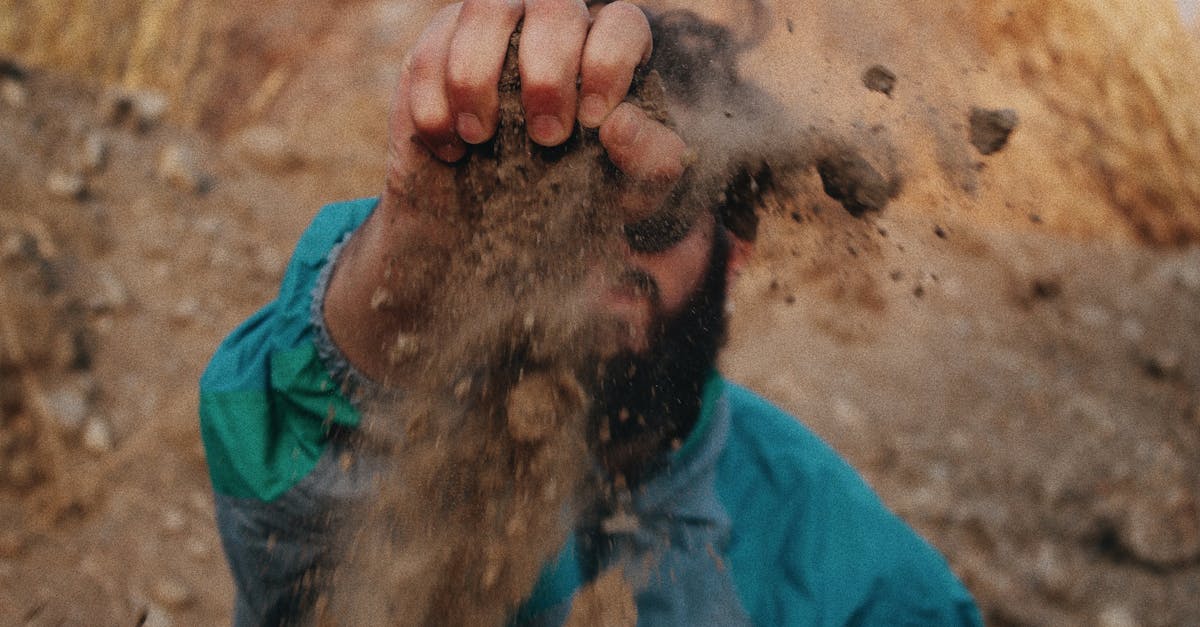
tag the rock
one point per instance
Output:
(1116, 616)
(1052, 576)
(849, 415)
(880, 79)
(172, 593)
(109, 293)
(97, 436)
(173, 520)
(145, 108)
(270, 262)
(186, 311)
(10, 70)
(848, 178)
(267, 148)
(990, 128)
(71, 401)
(179, 166)
(93, 153)
(13, 93)
(155, 616)
(197, 548)
(1166, 363)
(64, 185)
(1162, 527)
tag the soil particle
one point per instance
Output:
(144, 109)
(155, 616)
(1166, 363)
(851, 180)
(1162, 527)
(267, 148)
(1117, 616)
(10, 70)
(990, 128)
(13, 93)
(97, 436)
(65, 185)
(606, 602)
(179, 166)
(69, 404)
(172, 593)
(879, 78)
(93, 153)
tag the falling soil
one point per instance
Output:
(990, 129)
(880, 79)
(485, 456)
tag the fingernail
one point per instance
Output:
(592, 109)
(547, 130)
(471, 129)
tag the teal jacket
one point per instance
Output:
(754, 521)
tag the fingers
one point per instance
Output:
(453, 71)
(428, 104)
(650, 154)
(641, 147)
(474, 63)
(551, 47)
(618, 42)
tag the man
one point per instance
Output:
(750, 519)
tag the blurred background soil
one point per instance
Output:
(1008, 350)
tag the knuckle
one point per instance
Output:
(507, 9)
(559, 10)
(467, 81)
(625, 13)
(542, 94)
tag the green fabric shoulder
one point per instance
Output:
(812, 544)
(266, 398)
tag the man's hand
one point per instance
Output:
(447, 98)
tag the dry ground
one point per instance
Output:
(1008, 352)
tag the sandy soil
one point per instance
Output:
(1007, 350)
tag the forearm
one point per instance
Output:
(379, 289)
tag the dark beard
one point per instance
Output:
(649, 402)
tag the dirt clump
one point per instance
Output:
(850, 179)
(880, 79)
(990, 129)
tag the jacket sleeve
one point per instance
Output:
(267, 398)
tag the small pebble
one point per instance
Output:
(197, 548)
(1164, 364)
(13, 93)
(156, 617)
(146, 108)
(64, 185)
(267, 149)
(186, 311)
(93, 154)
(171, 593)
(1116, 616)
(97, 436)
(173, 520)
(179, 166)
(880, 79)
(70, 402)
(109, 293)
